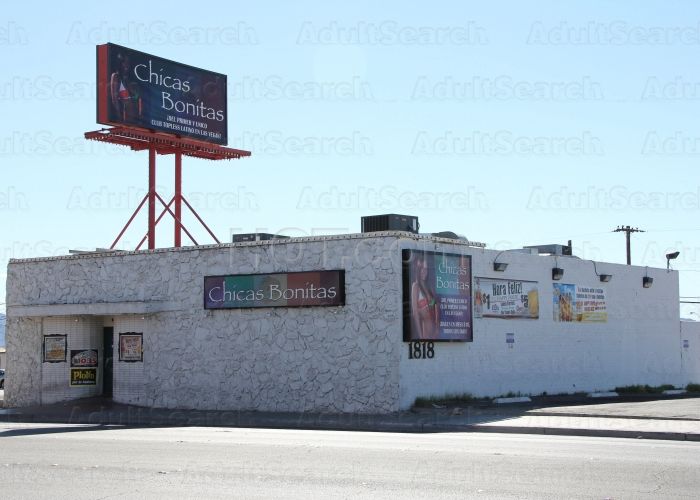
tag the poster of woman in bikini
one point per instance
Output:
(437, 296)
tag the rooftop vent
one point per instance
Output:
(243, 237)
(449, 235)
(553, 249)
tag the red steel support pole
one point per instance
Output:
(178, 199)
(151, 197)
(127, 224)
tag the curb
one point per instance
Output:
(596, 415)
(556, 431)
(398, 427)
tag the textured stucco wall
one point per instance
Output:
(336, 359)
(23, 374)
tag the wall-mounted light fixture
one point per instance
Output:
(646, 280)
(557, 273)
(603, 277)
(669, 257)
(500, 266)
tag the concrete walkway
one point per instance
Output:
(670, 418)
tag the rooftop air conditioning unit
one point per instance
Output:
(390, 222)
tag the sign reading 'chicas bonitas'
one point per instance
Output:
(313, 288)
(141, 90)
(436, 296)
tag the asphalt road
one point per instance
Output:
(61, 461)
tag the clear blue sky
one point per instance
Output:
(513, 123)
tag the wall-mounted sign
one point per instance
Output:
(55, 348)
(83, 358)
(573, 303)
(510, 339)
(312, 288)
(83, 376)
(686, 343)
(500, 298)
(131, 347)
(436, 296)
(141, 90)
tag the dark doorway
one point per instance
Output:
(107, 377)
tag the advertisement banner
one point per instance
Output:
(299, 289)
(83, 358)
(140, 90)
(131, 347)
(436, 296)
(500, 298)
(55, 348)
(573, 303)
(83, 376)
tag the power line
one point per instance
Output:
(670, 230)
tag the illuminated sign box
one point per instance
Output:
(140, 90)
(298, 289)
(437, 296)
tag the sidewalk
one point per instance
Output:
(672, 419)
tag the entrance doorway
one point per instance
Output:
(107, 374)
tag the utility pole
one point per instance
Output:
(628, 230)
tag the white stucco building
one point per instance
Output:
(177, 353)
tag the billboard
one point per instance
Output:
(300, 289)
(140, 90)
(501, 298)
(573, 303)
(436, 296)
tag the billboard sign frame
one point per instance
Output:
(136, 89)
(292, 289)
(437, 296)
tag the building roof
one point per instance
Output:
(280, 241)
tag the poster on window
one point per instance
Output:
(437, 296)
(508, 299)
(131, 347)
(582, 304)
(55, 348)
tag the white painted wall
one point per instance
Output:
(690, 355)
(129, 377)
(639, 344)
(84, 332)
